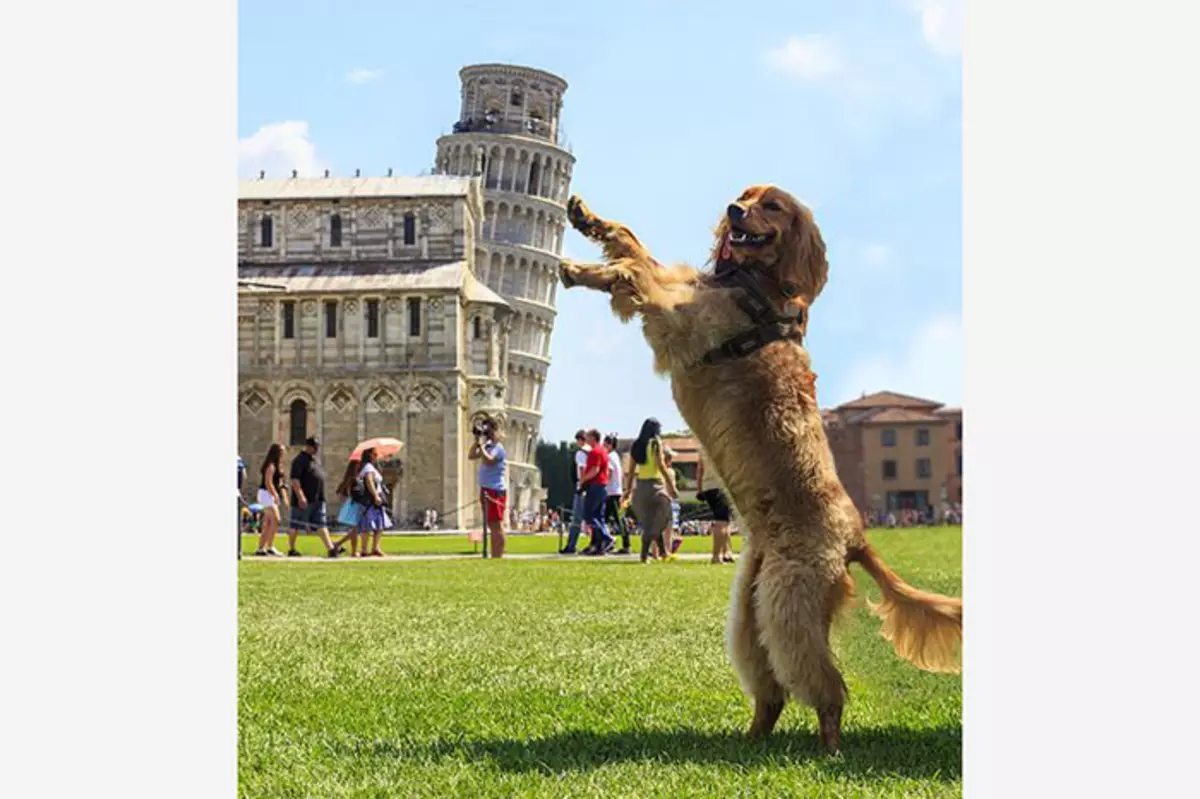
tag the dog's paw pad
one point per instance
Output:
(564, 274)
(578, 213)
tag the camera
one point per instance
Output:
(484, 428)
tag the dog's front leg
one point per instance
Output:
(593, 276)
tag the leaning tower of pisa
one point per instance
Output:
(508, 134)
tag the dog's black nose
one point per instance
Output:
(735, 212)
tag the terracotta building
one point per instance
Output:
(894, 451)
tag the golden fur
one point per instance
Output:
(758, 420)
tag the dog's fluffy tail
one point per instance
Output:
(925, 629)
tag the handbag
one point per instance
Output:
(348, 514)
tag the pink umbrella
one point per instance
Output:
(384, 448)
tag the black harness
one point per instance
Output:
(769, 325)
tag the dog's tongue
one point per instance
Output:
(726, 247)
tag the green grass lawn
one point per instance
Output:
(545, 678)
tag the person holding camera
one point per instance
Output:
(493, 493)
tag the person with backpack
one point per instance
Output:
(371, 494)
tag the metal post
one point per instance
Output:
(486, 531)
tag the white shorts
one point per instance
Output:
(265, 499)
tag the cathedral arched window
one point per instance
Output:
(266, 232)
(335, 230)
(299, 423)
(410, 229)
(478, 328)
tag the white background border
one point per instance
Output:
(1082, 159)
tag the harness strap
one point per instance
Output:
(769, 324)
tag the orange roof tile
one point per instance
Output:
(901, 416)
(888, 399)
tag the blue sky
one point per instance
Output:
(673, 107)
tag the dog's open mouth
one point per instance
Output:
(744, 238)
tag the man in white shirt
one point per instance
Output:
(612, 506)
(577, 504)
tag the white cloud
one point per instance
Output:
(869, 75)
(277, 149)
(363, 75)
(942, 24)
(806, 58)
(929, 366)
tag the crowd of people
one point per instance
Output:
(301, 501)
(614, 500)
(928, 516)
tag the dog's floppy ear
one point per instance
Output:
(802, 267)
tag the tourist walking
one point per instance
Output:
(493, 486)
(349, 511)
(613, 514)
(370, 492)
(308, 498)
(581, 454)
(271, 498)
(595, 483)
(655, 487)
(722, 513)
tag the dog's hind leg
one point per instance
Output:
(747, 653)
(795, 607)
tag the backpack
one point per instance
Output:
(362, 496)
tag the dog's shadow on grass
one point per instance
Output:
(919, 754)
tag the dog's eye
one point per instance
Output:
(771, 205)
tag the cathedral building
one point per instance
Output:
(409, 306)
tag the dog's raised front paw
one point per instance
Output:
(582, 219)
(565, 274)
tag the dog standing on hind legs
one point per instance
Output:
(731, 342)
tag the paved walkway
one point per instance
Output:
(688, 556)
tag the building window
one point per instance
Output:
(330, 319)
(335, 230)
(289, 319)
(410, 229)
(889, 437)
(266, 233)
(958, 461)
(299, 423)
(958, 431)
(924, 468)
(889, 470)
(922, 436)
(535, 178)
(414, 316)
(372, 318)
(515, 98)
(478, 328)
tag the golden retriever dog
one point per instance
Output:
(753, 408)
